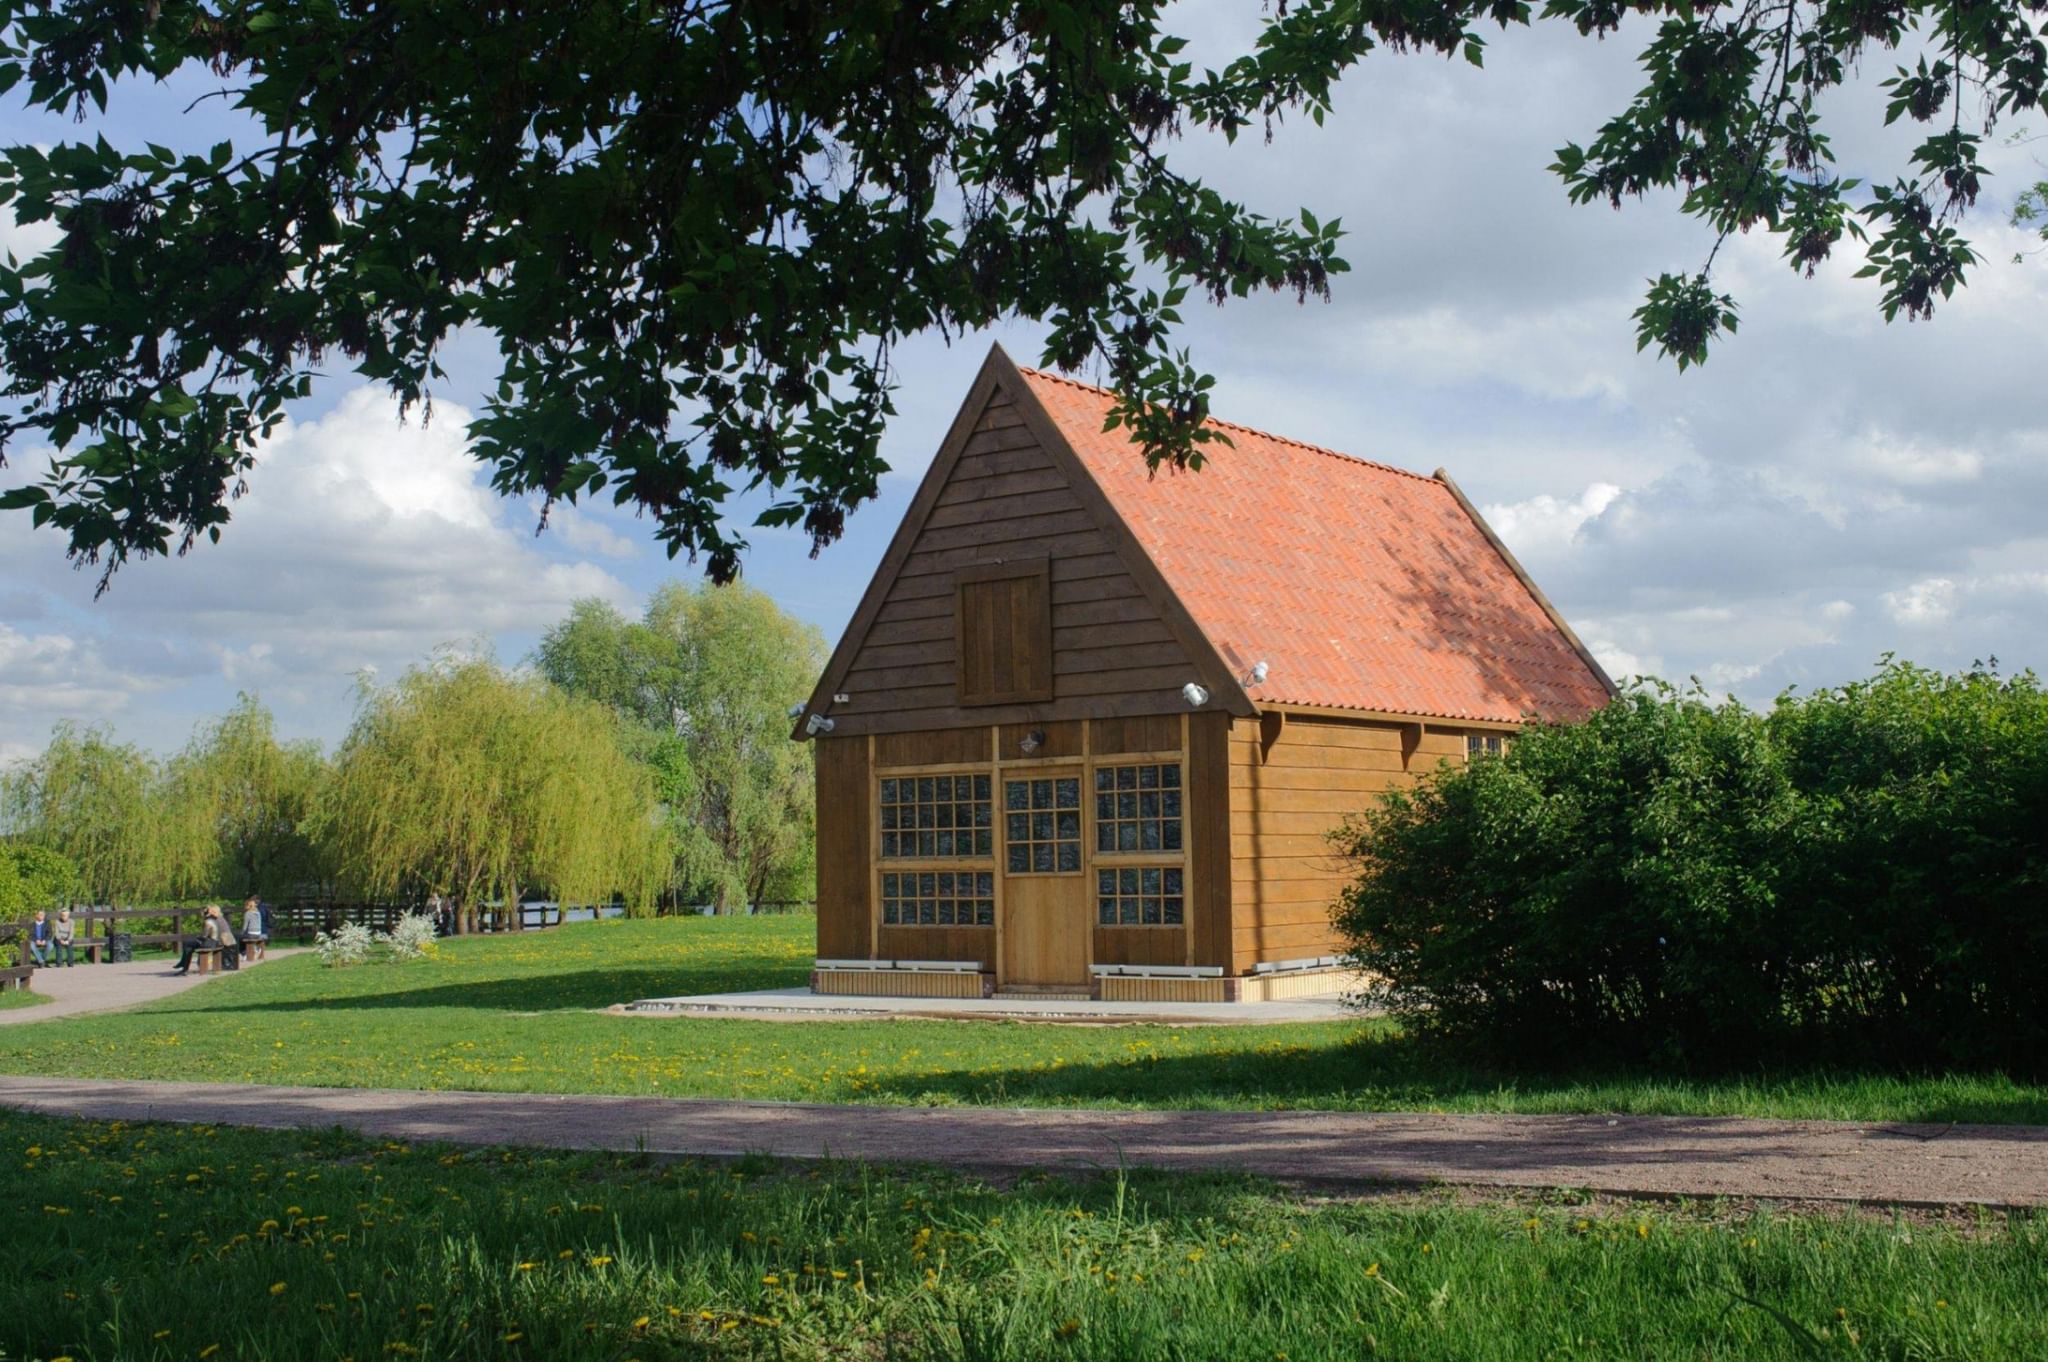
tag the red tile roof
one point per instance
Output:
(1360, 585)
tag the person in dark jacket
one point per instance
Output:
(39, 939)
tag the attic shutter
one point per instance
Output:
(1004, 620)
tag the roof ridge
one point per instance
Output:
(1248, 430)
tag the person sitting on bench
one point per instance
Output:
(39, 939)
(63, 932)
(214, 935)
(252, 922)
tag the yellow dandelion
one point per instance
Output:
(602, 1260)
(642, 1322)
(277, 1288)
(513, 1337)
(566, 1254)
(526, 1267)
(160, 1335)
(1426, 1248)
(1373, 1270)
(209, 1350)
(1642, 1229)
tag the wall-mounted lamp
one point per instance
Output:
(1256, 676)
(1031, 741)
(796, 711)
(1195, 694)
(817, 724)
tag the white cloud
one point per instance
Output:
(1923, 603)
(1547, 522)
(362, 543)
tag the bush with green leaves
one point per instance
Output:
(1855, 873)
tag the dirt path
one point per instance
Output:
(78, 989)
(1627, 1155)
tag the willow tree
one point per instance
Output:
(706, 678)
(101, 805)
(241, 799)
(480, 784)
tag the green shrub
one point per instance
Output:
(1858, 872)
(33, 877)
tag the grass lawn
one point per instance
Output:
(157, 1242)
(514, 1013)
(11, 998)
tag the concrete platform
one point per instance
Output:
(800, 1004)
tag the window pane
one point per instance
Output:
(1020, 858)
(1041, 827)
(1173, 881)
(1169, 837)
(1105, 778)
(1041, 857)
(1128, 913)
(926, 786)
(1172, 912)
(1070, 856)
(1016, 794)
(1018, 826)
(1041, 794)
(1127, 777)
(1069, 825)
(1148, 881)
(1148, 836)
(1127, 837)
(926, 844)
(1169, 803)
(1148, 777)
(1105, 912)
(888, 792)
(1067, 794)
(984, 842)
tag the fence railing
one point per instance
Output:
(303, 919)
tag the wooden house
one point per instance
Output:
(1089, 727)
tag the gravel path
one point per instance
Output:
(1626, 1155)
(77, 989)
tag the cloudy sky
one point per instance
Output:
(1826, 490)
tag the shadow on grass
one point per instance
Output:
(1378, 1069)
(571, 990)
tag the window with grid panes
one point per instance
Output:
(1137, 808)
(1139, 896)
(934, 817)
(939, 898)
(1484, 744)
(1042, 825)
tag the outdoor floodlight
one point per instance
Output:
(1032, 741)
(796, 711)
(1256, 675)
(818, 724)
(1195, 694)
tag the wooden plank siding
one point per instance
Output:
(1291, 782)
(843, 855)
(1006, 500)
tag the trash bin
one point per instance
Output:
(120, 947)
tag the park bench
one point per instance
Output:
(252, 948)
(16, 976)
(206, 959)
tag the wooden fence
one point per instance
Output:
(303, 919)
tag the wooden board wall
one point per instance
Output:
(843, 794)
(1291, 783)
(1112, 652)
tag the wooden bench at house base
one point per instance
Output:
(902, 979)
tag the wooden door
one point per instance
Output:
(1046, 927)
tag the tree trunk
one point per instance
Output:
(517, 918)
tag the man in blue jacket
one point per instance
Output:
(39, 939)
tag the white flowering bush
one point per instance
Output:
(412, 938)
(350, 944)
